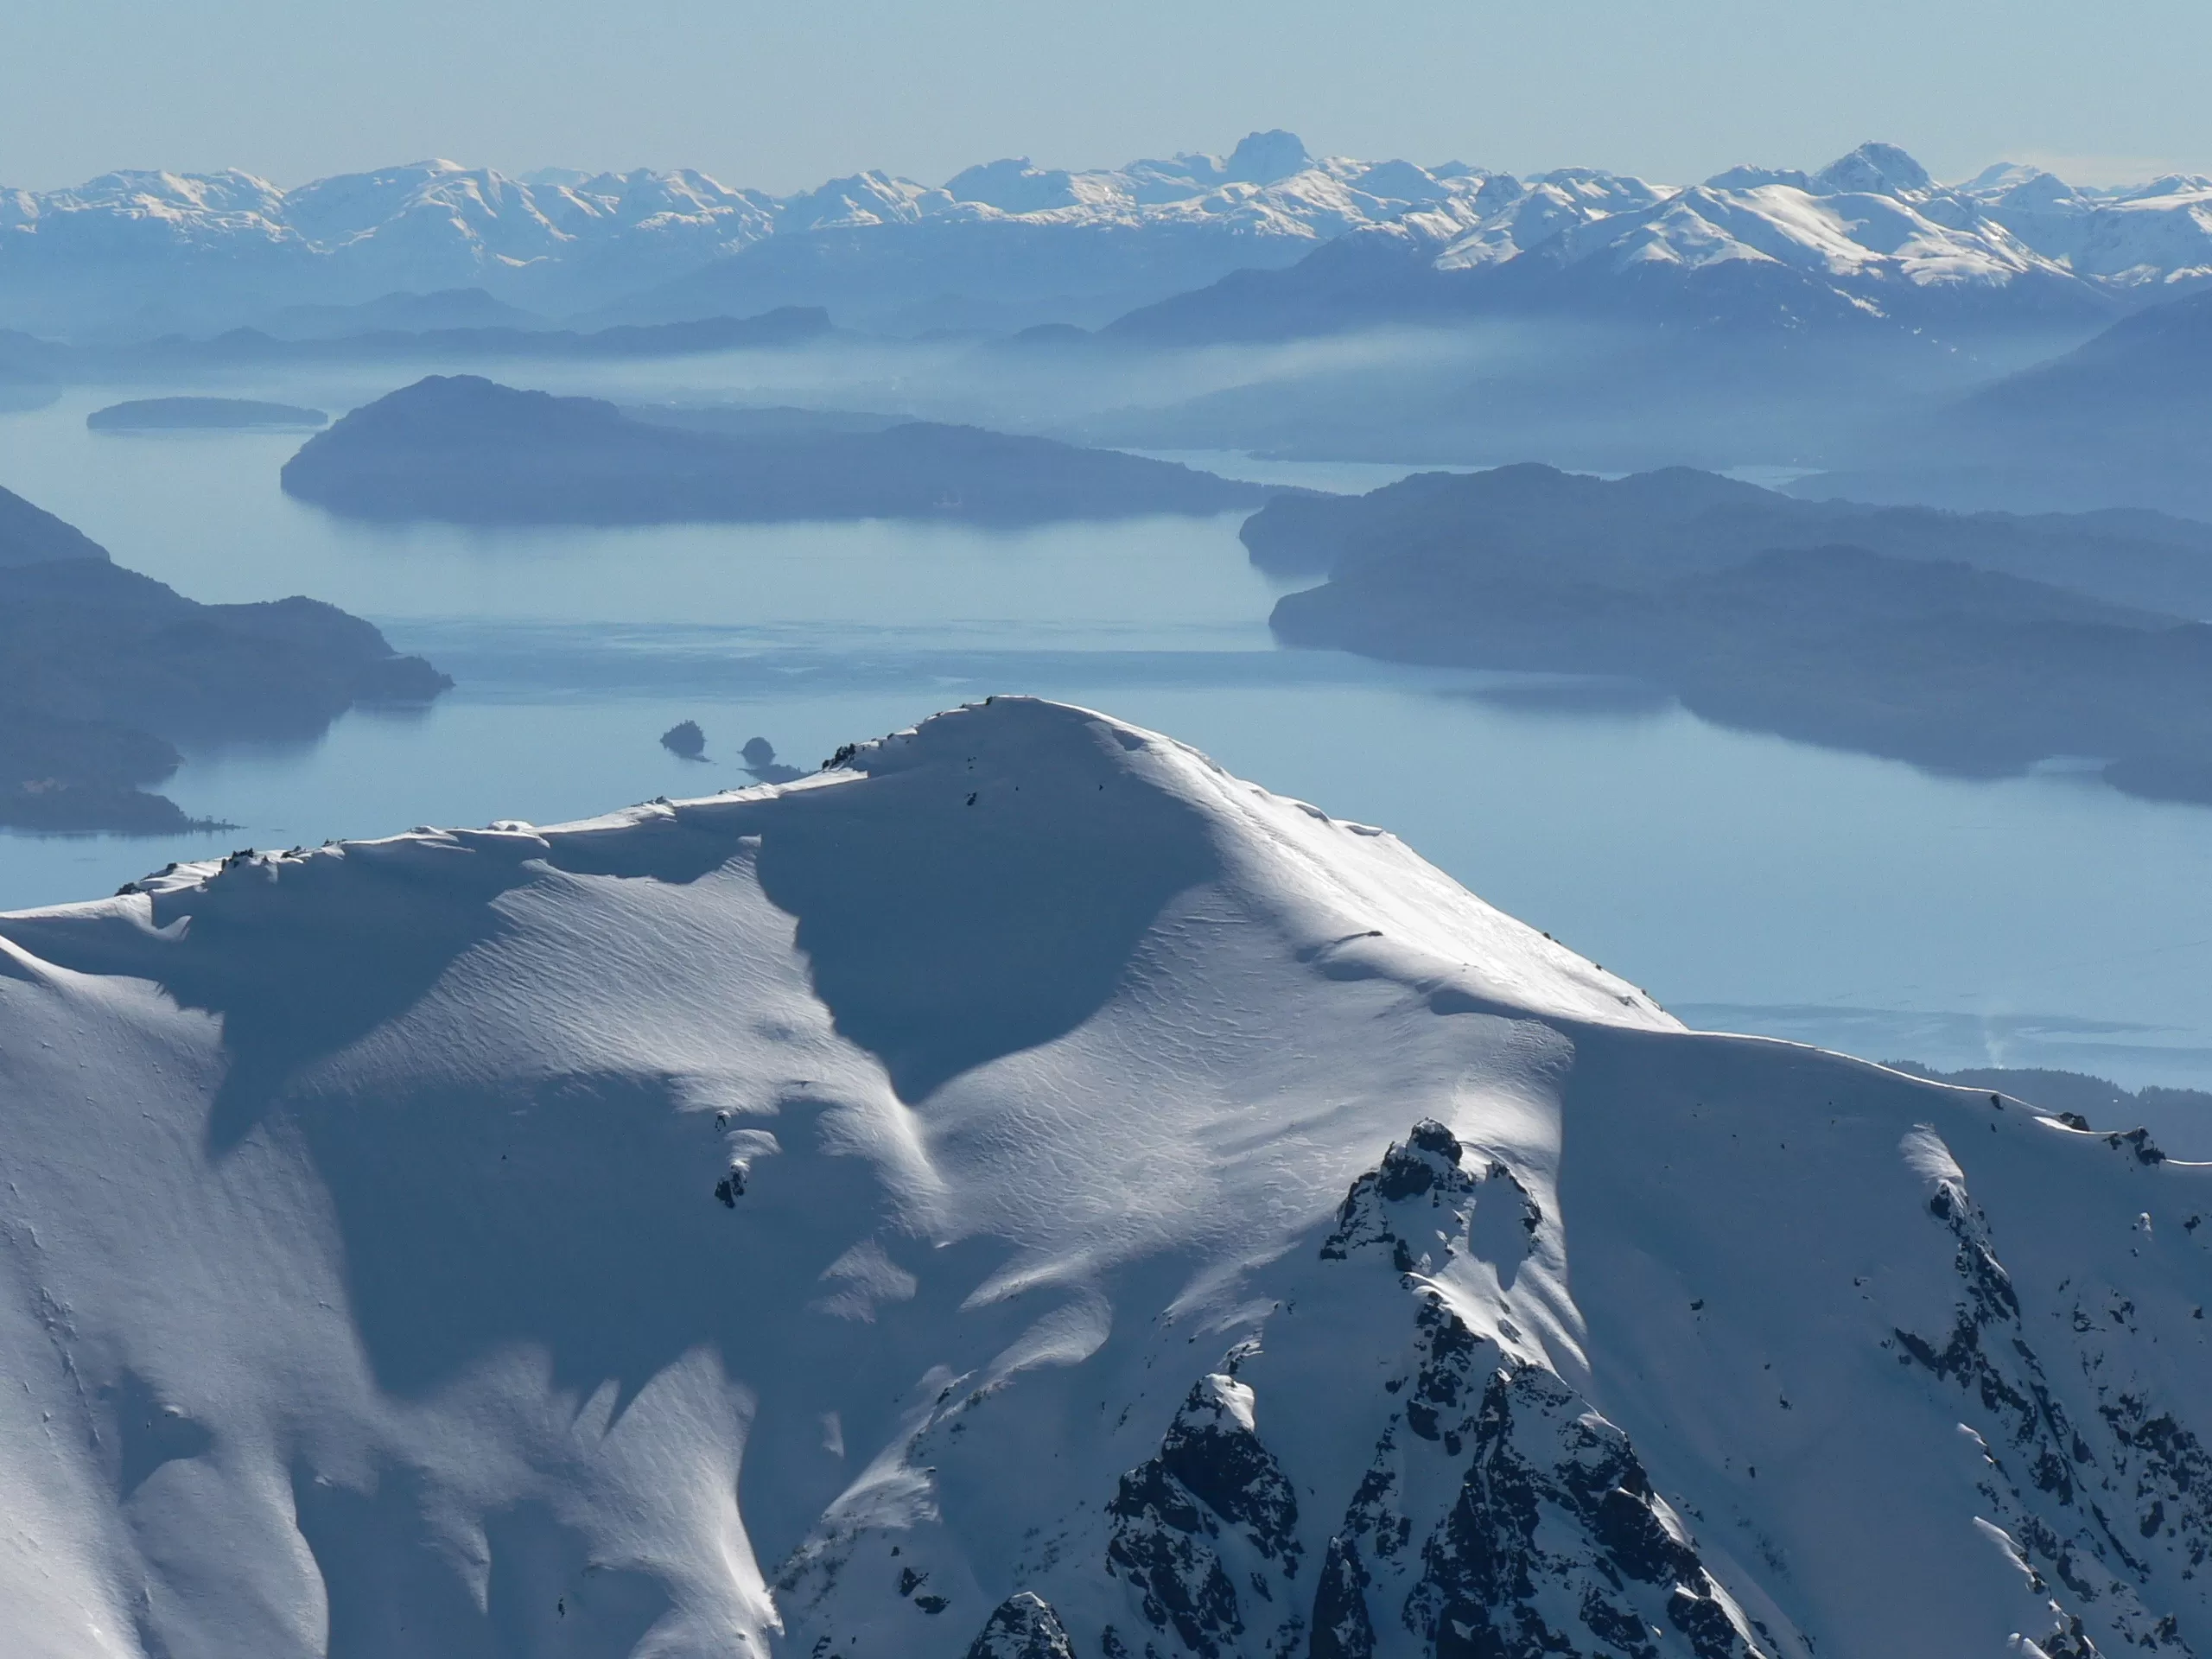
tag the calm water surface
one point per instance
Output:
(1746, 881)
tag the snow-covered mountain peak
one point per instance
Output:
(1013, 186)
(1752, 178)
(1864, 227)
(864, 198)
(2166, 184)
(1404, 181)
(1999, 176)
(1873, 169)
(2024, 188)
(1357, 898)
(2157, 233)
(1024, 1191)
(226, 202)
(1266, 158)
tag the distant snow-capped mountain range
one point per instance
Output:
(160, 246)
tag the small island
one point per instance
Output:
(760, 761)
(685, 740)
(464, 449)
(104, 672)
(200, 414)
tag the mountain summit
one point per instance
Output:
(1875, 169)
(1021, 1190)
(1266, 158)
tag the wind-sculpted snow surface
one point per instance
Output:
(1022, 1193)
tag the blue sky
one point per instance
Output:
(782, 96)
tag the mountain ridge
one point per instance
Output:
(31, 535)
(2115, 421)
(703, 1229)
(637, 247)
(1871, 234)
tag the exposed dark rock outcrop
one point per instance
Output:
(1023, 1626)
(1342, 1628)
(1211, 1502)
(1384, 1207)
(1500, 1515)
(2097, 1506)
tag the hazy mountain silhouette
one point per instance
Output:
(102, 672)
(2121, 421)
(467, 449)
(1932, 650)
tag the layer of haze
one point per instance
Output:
(782, 97)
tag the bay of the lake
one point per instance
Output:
(1747, 883)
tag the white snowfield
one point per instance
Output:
(1874, 216)
(1024, 1191)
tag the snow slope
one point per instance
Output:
(1871, 220)
(1868, 238)
(2158, 233)
(1023, 1191)
(150, 247)
(163, 242)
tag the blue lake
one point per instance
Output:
(1747, 883)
